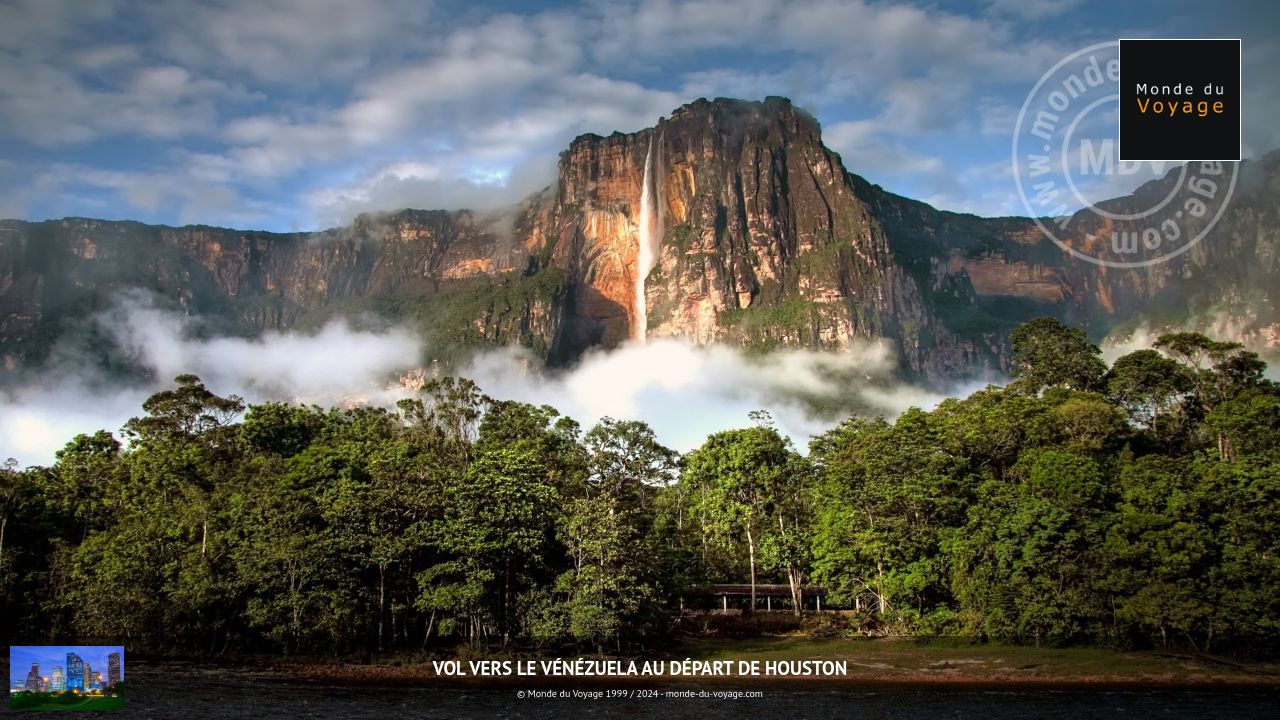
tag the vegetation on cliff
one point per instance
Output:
(1131, 506)
(465, 315)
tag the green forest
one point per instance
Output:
(1130, 506)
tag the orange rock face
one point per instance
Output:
(766, 239)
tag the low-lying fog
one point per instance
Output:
(684, 391)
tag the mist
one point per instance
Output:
(1219, 325)
(75, 395)
(684, 391)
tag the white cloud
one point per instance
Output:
(981, 189)
(293, 42)
(122, 194)
(418, 184)
(867, 148)
(105, 58)
(300, 100)
(73, 397)
(49, 105)
(656, 383)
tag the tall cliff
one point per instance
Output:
(728, 222)
(765, 239)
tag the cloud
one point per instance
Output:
(869, 148)
(203, 198)
(806, 391)
(50, 106)
(891, 41)
(294, 42)
(43, 28)
(276, 365)
(1032, 9)
(659, 381)
(423, 185)
(294, 111)
(922, 105)
(74, 396)
(864, 148)
(1261, 103)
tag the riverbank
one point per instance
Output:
(871, 661)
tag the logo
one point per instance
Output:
(1082, 196)
(1180, 99)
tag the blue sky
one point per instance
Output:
(297, 114)
(21, 657)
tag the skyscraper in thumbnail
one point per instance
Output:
(95, 680)
(113, 669)
(88, 677)
(57, 679)
(75, 672)
(33, 678)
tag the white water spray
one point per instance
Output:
(650, 237)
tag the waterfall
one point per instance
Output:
(650, 237)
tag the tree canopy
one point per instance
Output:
(1135, 505)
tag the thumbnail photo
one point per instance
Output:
(66, 677)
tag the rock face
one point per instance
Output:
(766, 241)
(762, 238)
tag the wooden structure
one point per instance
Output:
(739, 596)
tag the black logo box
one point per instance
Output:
(1185, 64)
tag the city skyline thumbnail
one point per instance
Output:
(46, 658)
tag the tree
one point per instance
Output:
(1026, 564)
(10, 480)
(1047, 353)
(607, 588)
(626, 461)
(610, 584)
(1195, 349)
(1248, 423)
(1158, 551)
(119, 581)
(150, 513)
(381, 516)
(495, 534)
(91, 479)
(887, 496)
(1240, 497)
(993, 426)
(446, 417)
(790, 548)
(188, 411)
(289, 565)
(1231, 369)
(1147, 385)
(1087, 423)
(181, 444)
(738, 475)
(280, 428)
(1148, 515)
